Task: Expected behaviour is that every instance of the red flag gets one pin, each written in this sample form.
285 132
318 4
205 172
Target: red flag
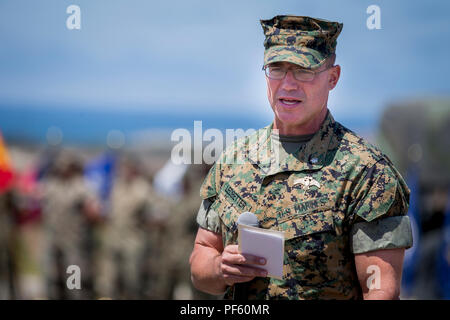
6 170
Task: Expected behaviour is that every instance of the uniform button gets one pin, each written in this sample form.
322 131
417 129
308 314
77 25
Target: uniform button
314 160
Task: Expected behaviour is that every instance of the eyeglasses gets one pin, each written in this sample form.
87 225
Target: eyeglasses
300 74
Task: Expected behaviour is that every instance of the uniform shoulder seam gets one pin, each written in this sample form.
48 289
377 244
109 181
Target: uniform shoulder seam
364 146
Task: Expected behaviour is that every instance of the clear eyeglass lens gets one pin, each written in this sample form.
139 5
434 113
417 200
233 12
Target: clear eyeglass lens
303 75
276 73
279 73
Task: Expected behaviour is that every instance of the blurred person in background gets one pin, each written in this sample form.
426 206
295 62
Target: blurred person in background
7 288
25 207
68 210
157 264
120 258
179 241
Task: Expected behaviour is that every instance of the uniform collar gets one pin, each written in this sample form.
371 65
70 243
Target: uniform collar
311 156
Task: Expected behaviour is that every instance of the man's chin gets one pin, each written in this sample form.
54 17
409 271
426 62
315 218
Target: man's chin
290 122
290 119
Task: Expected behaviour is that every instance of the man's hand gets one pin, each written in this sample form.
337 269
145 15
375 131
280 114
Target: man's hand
235 266
213 267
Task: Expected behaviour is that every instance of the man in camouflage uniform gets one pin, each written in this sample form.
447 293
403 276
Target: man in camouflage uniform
340 202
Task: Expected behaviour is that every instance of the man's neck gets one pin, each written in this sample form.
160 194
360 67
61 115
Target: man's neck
295 130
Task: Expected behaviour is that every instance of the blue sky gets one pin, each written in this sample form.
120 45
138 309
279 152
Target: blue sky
188 57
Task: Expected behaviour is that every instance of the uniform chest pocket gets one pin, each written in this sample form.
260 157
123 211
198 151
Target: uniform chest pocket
306 224
310 243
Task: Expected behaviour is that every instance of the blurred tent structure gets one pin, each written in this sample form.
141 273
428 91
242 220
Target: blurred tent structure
415 134
418 132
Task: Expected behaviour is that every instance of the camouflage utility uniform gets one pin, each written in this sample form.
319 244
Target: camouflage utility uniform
122 238
66 230
334 197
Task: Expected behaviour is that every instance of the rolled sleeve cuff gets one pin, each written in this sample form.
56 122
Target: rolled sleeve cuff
386 233
207 218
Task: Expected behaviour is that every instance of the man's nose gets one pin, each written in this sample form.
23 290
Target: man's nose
289 82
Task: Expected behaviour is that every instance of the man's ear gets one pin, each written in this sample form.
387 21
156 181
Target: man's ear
335 73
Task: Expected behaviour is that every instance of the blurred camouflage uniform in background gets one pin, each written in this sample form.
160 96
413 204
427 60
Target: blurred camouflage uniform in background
68 208
27 238
157 258
6 267
120 257
180 236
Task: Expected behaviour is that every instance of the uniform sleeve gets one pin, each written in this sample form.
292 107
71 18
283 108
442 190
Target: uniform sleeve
207 218
209 186
379 209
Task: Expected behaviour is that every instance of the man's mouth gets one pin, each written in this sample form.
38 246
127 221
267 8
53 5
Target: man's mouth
290 102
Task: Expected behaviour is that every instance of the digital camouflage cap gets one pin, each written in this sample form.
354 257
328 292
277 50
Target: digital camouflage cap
305 41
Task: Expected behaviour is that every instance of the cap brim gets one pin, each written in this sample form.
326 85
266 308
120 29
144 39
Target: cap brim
304 57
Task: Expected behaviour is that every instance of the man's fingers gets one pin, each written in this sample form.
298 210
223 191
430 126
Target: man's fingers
234 267
231 255
230 279
250 259
239 270
232 248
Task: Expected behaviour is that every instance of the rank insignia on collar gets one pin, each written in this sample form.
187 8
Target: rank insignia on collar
307 182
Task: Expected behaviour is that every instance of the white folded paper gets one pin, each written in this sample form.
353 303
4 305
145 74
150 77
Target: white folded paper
265 243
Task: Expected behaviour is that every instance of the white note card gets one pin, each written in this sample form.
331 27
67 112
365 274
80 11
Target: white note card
265 243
